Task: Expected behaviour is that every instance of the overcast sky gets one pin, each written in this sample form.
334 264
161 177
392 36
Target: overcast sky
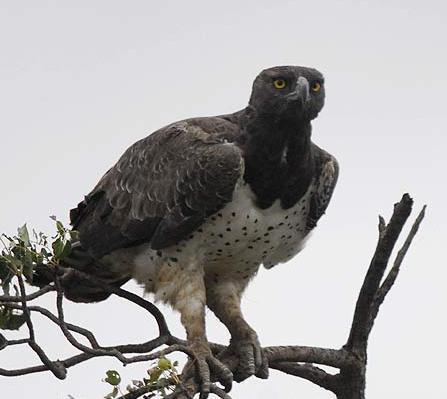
82 80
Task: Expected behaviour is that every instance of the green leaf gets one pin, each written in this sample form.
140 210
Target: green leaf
154 374
58 248
37 257
6 282
60 228
4 269
113 377
28 266
10 320
23 234
66 250
14 264
164 364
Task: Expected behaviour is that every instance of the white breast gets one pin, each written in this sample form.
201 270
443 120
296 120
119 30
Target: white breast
232 242
243 234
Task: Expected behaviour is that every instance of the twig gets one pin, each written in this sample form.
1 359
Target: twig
359 330
392 275
45 312
28 298
55 367
309 372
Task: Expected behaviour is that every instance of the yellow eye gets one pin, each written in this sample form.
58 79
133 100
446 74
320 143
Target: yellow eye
316 86
279 83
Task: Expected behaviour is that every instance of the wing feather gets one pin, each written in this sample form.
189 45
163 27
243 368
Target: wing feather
161 189
327 176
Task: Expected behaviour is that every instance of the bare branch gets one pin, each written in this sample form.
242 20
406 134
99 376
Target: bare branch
387 239
309 372
55 367
382 226
18 341
392 275
307 354
28 298
299 361
138 300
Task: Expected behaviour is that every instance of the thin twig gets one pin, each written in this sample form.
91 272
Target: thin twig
28 298
55 367
45 312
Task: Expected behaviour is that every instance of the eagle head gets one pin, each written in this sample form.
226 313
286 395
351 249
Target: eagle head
288 92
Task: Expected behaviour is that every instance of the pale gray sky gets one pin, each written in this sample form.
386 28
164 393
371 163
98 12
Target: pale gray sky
81 81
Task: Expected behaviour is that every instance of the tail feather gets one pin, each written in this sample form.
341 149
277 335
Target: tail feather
81 290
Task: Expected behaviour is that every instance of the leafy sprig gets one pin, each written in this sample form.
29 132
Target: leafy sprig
162 378
22 254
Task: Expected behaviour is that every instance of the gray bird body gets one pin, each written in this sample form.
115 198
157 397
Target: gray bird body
194 209
230 245
234 237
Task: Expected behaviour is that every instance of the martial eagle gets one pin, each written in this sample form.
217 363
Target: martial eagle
193 210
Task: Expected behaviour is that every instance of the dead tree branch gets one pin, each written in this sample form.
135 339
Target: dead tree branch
300 361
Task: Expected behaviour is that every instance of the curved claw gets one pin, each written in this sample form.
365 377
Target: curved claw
222 372
204 376
252 360
205 365
217 391
263 370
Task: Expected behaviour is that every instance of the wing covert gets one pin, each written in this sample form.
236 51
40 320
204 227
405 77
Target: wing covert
160 190
327 177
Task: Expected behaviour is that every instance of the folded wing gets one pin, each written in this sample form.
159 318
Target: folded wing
162 189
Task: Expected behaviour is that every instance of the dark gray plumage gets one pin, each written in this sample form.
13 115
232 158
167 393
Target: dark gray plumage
206 196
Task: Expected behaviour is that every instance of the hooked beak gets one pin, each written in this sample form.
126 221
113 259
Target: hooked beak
301 92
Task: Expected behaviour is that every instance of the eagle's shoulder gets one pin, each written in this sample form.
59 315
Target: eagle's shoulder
162 187
326 176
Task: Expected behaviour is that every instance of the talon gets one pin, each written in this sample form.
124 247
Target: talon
205 365
204 376
252 360
263 370
221 372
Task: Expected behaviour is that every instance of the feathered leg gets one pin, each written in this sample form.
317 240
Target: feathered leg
189 300
224 299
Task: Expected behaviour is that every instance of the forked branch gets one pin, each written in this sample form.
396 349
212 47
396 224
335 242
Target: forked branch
300 361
